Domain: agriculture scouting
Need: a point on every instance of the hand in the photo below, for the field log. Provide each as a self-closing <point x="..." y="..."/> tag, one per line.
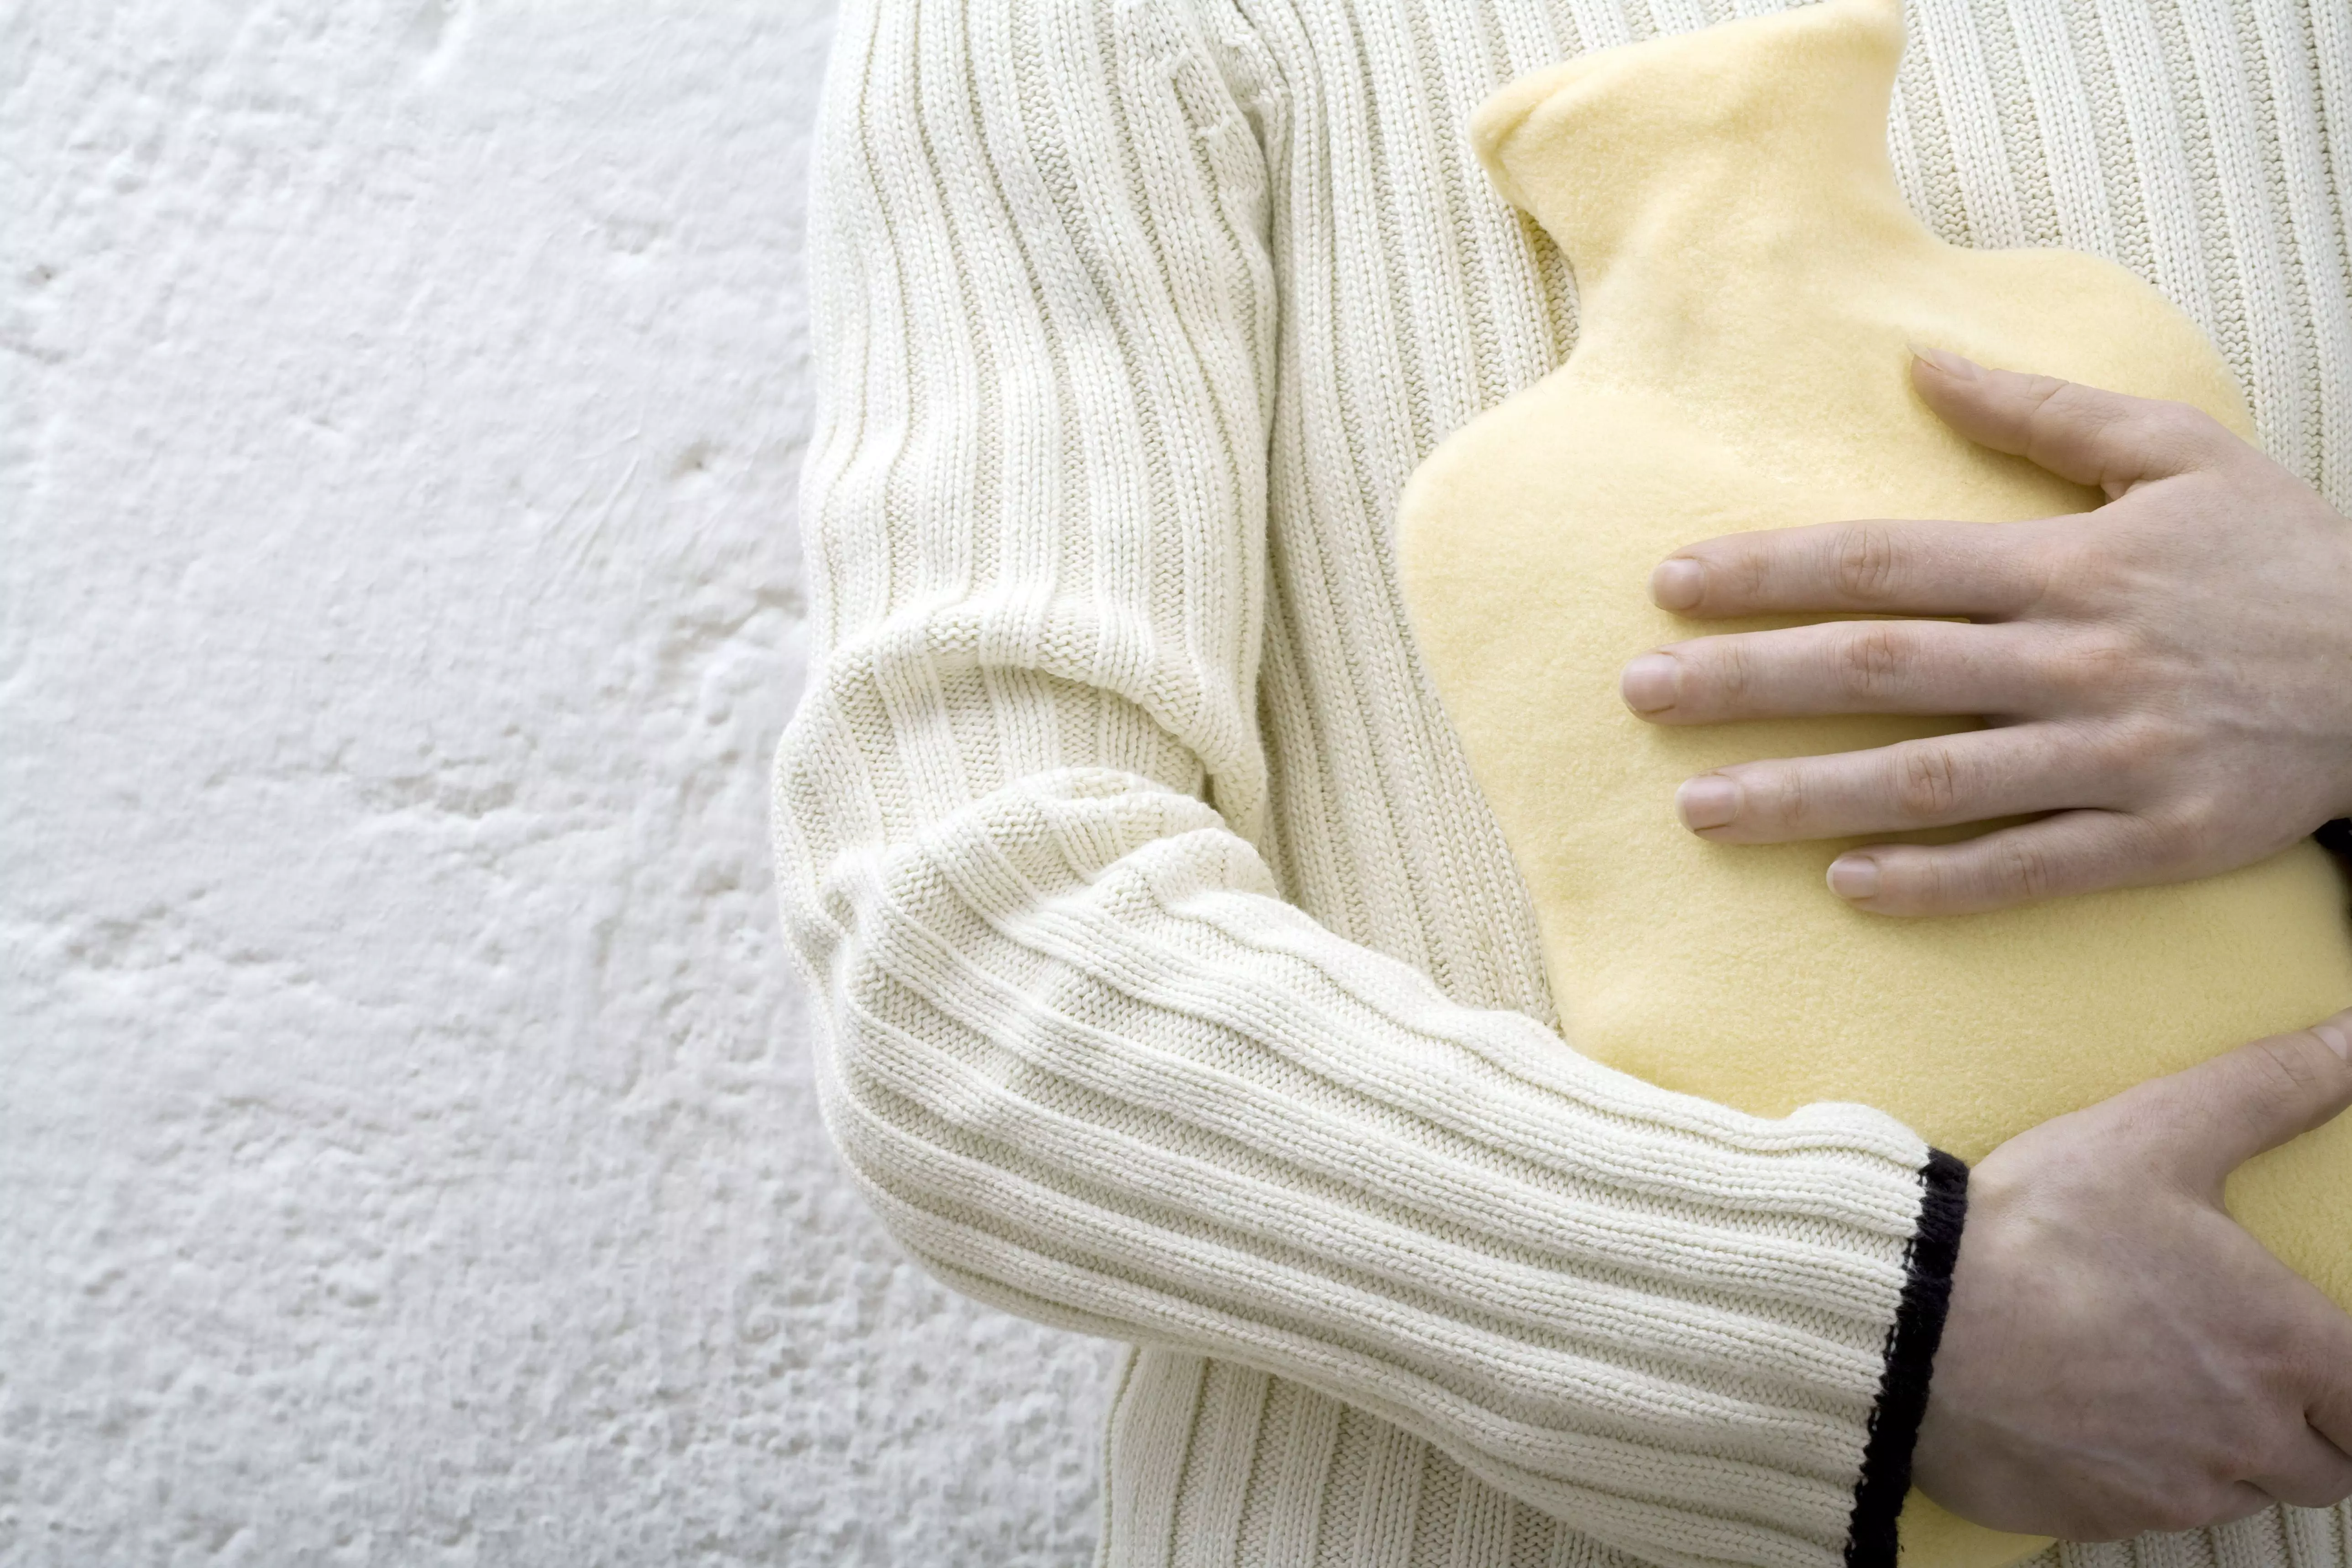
<point x="2119" y="1357"/>
<point x="2170" y="674"/>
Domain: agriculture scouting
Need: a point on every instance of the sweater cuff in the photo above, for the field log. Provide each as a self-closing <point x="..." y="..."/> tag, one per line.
<point x="1911" y="1344"/>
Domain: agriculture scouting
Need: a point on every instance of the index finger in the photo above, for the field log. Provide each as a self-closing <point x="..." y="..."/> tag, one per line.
<point x="2088" y="435"/>
<point x="2246" y="1101"/>
<point x="1986" y="570"/>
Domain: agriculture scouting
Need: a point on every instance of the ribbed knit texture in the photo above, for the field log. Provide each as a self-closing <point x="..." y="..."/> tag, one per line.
<point x="1176" y="985"/>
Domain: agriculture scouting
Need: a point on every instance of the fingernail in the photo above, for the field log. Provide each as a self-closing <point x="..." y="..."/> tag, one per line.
<point x="1651" y="683"/>
<point x="1854" y="876"/>
<point x="2337" y="1036"/>
<point x="1950" y="364"/>
<point x="1707" y="802"/>
<point x="1676" y="584"/>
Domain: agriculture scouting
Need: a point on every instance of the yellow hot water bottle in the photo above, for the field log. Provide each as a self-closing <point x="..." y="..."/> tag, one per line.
<point x="1749" y="280"/>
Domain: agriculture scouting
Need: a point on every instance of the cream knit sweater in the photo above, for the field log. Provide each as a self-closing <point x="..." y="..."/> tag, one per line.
<point x="1176" y="984"/>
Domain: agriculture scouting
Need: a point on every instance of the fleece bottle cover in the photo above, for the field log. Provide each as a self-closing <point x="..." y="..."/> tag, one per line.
<point x="1749" y="279"/>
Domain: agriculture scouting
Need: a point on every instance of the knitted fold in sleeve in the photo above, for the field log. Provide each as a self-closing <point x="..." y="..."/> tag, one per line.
<point x="1085" y="1059"/>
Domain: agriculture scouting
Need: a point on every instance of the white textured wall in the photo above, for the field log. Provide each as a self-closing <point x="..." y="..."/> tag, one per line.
<point x="406" y="1149"/>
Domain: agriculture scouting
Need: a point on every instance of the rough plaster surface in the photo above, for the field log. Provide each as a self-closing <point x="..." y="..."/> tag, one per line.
<point x="406" y="1148"/>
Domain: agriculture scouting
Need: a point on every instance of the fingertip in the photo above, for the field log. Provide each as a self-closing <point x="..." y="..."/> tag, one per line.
<point x="1677" y="584"/>
<point x="1899" y="882"/>
<point x="1944" y="362"/>
<point x="1854" y="877"/>
<point x="1709" y="801"/>
<point x="1649" y="685"/>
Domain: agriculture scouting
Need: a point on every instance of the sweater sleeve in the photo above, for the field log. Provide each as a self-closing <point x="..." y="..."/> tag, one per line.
<point x="1078" y="1051"/>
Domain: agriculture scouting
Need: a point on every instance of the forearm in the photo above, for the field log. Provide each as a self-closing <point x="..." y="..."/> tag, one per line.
<point x="1091" y="1068"/>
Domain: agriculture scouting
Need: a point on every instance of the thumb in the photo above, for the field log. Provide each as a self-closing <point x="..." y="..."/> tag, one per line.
<point x="2257" y="1097"/>
<point x="2079" y="433"/>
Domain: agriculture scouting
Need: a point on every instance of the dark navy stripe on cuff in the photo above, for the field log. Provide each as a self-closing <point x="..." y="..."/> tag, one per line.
<point x="1911" y="1344"/>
